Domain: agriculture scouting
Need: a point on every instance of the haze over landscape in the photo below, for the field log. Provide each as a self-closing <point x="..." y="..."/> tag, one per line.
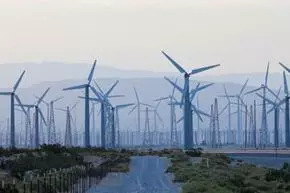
<point x="208" y="138"/>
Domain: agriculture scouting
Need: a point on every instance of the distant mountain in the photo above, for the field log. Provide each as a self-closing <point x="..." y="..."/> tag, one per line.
<point x="57" y="71"/>
<point x="148" y="89"/>
<point x="150" y="86"/>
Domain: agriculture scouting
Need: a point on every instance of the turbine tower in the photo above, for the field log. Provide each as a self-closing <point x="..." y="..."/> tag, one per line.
<point x="188" y="135"/>
<point x="103" y="98"/>
<point x="239" y="97"/>
<point x="138" y="106"/>
<point x="36" y="120"/>
<point x="13" y="96"/>
<point x="87" y="87"/>
<point x="117" y="122"/>
<point x="287" y="124"/>
<point x="229" y="131"/>
<point x="192" y="107"/>
<point x="174" y="142"/>
<point x="276" y="108"/>
<point x="147" y="137"/>
<point x="68" y="139"/>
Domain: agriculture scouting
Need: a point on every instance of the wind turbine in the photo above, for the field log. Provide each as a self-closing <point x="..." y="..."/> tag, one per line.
<point x="286" y="99"/>
<point x="188" y="135"/>
<point x="13" y="96"/>
<point x="87" y="87"/>
<point x="103" y="98"/>
<point x="68" y="130"/>
<point x="276" y="108"/>
<point x="173" y="125"/>
<point x="138" y="106"/>
<point x="50" y="119"/>
<point x="229" y="139"/>
<point x="193" y="108"/>
<point x="240" y="102"/>
<point x="37" y="113"/>
<point x="117" y="122"/>
<point x="264" y="138"/>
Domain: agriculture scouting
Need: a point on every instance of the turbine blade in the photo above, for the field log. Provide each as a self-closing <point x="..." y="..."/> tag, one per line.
<point x="252" y="91"/>
<point x="97" y="85"/>
<point x="179" y="68"/>
<point x="74" y="106"/>
<point x="146" y="105"/>
<point x="5" y="93"/>
<point x="203" y="113"/>
<point x="225" y="107"/>
<point x="244" y="86"/>
<point x="179" y="120"/>
<point x="197" y="112"/>
<point x="92" y="72"/>
<point x="193" y="92"/>
<point x="42" y="117"/>
<point x="116" y="96"/>
<point x="132" y="109"/>
<point x="75" y="87"/>
<point x="266" y="99"/>
<point x="90" y="98"/>
<point x="285" y="67"/>
<point x="277" y="105"/>
<point x="27" y="106"/>
<point x="173" y="90"/>
<point x="124" y="105"/>
<point x="274" y="94"/>
<point x="96" y="93"/>
<point x="162" y="98"/>
<point x="43" y="95"/>
<point x="285" y="84"/>
<point x="60" y="109"/>
<point x="59" y="98"/>
<point x="20" y="103"/>
<point x="174" y="85"/>
<point x="111" y="89"/>
<point x="18" y="81"/>
<point x="267" y="74"/>
<point x="198" y="70"/>
<point x="159" y="117"/>
<point x="157" y="105"/>
<point x="136" y="94"/>
<point x="42" y="100"/>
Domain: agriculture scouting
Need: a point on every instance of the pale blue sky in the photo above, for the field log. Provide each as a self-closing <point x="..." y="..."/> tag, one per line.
<point x="129" y="34"/>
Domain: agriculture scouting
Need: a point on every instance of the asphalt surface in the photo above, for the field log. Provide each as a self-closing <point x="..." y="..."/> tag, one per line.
<point x="147" y="175"/>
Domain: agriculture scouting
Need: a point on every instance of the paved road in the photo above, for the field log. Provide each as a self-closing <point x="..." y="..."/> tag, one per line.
<point x="147" y="175"/>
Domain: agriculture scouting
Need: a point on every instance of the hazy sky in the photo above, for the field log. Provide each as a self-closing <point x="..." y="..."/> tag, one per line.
<point x="129" y="34"/>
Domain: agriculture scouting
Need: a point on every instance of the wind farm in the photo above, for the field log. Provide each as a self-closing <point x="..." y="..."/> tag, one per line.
<point x="144" y="96"/>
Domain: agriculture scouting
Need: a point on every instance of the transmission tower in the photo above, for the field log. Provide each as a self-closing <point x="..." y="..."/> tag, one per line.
<point x="146" y="135"/>
<point x="68" y="130"/>
<point x="217" y="130"/>
<point x="173" y="132"/>
<point x="51" y="126"/>
<point x="93" y="129"/>
<point x="246" y="126"/>
<point x="212" y="127"/>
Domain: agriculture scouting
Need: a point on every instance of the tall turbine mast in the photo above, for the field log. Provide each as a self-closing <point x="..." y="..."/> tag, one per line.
<point x="188" y="135"/>
<point x="287" y="114"/>
<point x="13" y="96"/>
<point x="87" y="87"/>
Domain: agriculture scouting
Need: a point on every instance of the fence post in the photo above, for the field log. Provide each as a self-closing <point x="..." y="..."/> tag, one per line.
<point x="31" y="186"/>
<point x="55" y="184"/>
<point x="60" y="181"/>
<point x="24" y="187"/>
<point x="38" y="187"/>
<point x="14" y="186"/>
